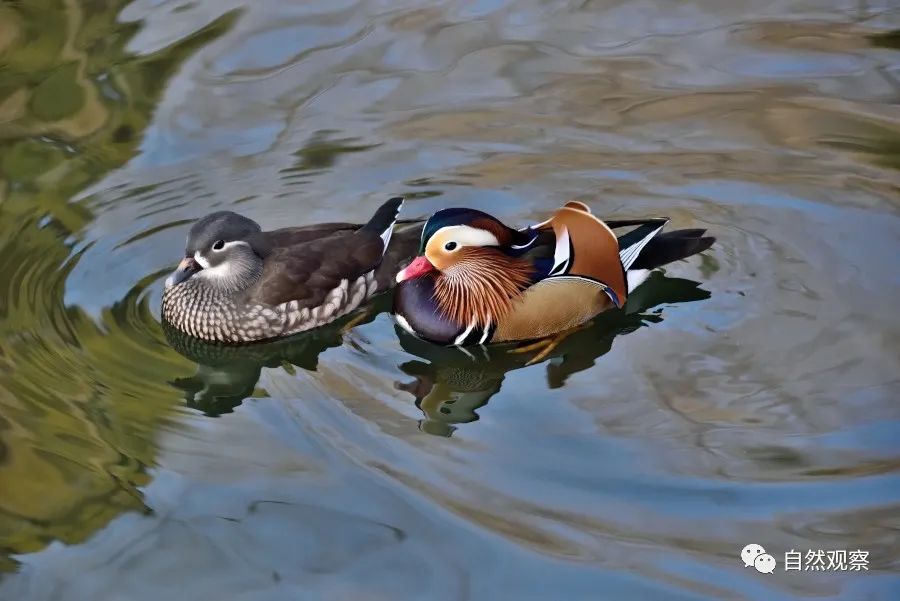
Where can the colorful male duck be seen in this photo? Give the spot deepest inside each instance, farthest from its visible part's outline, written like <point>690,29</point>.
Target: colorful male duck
<point>478,281</point>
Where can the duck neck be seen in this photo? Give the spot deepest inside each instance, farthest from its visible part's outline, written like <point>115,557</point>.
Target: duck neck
<point>481,287</point>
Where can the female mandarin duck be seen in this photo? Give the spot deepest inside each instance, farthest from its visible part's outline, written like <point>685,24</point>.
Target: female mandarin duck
<point>478,281</point>
<point>239,284</point>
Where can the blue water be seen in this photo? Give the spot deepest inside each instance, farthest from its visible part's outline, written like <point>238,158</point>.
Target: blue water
<point>745,396</point>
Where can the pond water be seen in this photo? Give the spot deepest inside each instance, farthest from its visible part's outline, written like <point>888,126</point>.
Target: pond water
<point>746,396</point>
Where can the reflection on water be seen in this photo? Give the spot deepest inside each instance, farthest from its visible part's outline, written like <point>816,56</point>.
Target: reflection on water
<point>75,444</point>
<point>635,461</point>
<point>226,375</point>
<point>450,384</point>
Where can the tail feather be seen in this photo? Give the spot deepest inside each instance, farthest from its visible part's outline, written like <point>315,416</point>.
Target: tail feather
<point>672,246</point>
<point>382,222</point>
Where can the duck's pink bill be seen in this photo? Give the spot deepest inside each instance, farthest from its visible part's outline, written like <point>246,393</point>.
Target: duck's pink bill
<point>419,267</point>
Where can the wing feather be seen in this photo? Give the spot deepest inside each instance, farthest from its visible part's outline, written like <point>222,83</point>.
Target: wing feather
<point>308,271</point>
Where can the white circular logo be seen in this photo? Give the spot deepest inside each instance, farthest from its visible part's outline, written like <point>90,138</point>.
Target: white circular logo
<point>764,563</point>
<point>750,553</point>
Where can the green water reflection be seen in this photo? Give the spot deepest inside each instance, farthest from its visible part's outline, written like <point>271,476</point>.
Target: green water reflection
<point>73,105</point>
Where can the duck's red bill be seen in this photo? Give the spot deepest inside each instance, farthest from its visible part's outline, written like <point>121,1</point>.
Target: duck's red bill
<point>419,267</point>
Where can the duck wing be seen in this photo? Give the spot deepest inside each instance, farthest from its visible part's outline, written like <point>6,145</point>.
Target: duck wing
<point>292,236</point>
<point>586,249</point>
<point>584,277</point>
<point>329,266</point>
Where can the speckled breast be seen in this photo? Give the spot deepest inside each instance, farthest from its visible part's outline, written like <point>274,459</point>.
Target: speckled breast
<point>200,311</point>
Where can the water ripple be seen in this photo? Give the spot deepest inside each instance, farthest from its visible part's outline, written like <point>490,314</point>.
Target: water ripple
<point>747,395</point>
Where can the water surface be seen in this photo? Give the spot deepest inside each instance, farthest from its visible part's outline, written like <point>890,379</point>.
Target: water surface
<point>749,395</point>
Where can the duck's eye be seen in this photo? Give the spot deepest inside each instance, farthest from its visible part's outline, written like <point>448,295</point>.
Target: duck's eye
<point>450,246</point>
<point>218,245</point>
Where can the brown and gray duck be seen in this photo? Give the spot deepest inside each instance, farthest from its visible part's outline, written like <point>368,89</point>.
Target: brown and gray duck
<point>239,284</point>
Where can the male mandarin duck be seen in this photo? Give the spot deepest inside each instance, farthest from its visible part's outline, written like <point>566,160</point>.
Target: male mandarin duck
<point>478,281</point>
<point>240,284</point>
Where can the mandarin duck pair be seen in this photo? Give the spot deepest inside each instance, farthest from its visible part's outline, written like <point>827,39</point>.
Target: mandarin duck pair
<point>475,280</point>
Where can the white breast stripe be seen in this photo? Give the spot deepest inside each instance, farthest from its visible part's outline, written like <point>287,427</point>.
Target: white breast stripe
<point>404,324</point>
<point>459,339</point>
<point>487,330</point>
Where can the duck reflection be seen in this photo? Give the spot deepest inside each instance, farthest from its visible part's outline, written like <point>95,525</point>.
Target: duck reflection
<point>449,384</point>
<point>227,374</point>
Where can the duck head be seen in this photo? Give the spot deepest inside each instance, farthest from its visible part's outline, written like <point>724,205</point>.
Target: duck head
<point>452,237</point>
<point>224,250</point>
<point>473,260</point>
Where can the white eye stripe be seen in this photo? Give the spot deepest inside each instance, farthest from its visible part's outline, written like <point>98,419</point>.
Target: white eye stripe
<point>226,245</point>
<point>465,235</point>
<point>204,262</point>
